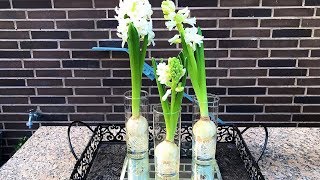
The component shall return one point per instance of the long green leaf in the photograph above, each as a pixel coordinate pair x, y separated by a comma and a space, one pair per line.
134, 54
201, 66
143, 52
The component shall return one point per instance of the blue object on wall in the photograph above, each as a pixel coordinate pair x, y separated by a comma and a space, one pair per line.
148, 71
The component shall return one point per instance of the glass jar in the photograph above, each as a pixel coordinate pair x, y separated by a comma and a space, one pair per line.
167, 146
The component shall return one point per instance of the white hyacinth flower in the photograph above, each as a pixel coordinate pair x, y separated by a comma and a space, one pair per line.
137, 12
163, 73
175, 39
192, 37
166, 95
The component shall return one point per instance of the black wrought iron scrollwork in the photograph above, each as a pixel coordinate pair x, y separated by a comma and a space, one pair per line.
249, 162
117, 133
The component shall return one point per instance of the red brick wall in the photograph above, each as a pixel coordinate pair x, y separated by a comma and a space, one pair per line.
262, 59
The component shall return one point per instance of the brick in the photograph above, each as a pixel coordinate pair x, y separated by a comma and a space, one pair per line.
106, 4
90, 54
251, 33
55, 117
310, 23
237, 44
82, 82
57, 109
217, 91
116, 82
285, 90
113, 100
310, 43
15, 54
73, 4
275, 81
282, 3
244, 109
315, 53
13, 100
291, 33
41, 64
16, 73
107, 24
233, 23
237, 63
93, 91
237, 82
305, 117
46, 15
204, 3
5, 4
86, 117
247, 91
77, 44
308, 63
307, 100
274, 100
249, 53
12, 15
236, 117
55, 91
49, 34
209, 13
92, 73
17, 109
273, 118
53, 73
78, 14
280, 22
311, 109
287, 72
115, 117
10, 64
9, 45
80, 24
277, 63
89, 34
35, 25
248, 72
38, 45
14, 35
12, 82
312, 2
85, 100
313, 91
31, 4
216, 72
6, 25
44, 82
294, 12
251, 12
308, 81
278, 43
50, 54
236, 100
17, 91
116, 64
314, 72
289, 53
232, 3
47, 100
102, 109
80, 64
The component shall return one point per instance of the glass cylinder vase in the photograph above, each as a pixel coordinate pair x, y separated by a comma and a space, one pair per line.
204, 139
137, 136
166, 146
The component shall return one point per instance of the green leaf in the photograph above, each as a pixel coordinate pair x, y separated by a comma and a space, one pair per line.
201, 66
143, 52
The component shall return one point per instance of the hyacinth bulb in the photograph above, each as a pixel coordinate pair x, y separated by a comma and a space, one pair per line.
137, 136
204, 131
167, 155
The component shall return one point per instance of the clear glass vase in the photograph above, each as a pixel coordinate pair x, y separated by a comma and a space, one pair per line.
167, 147
204, 132
137, 136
